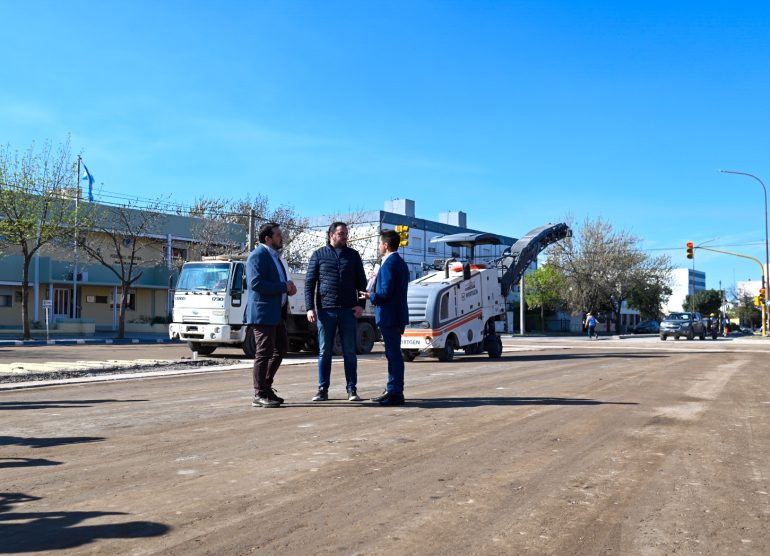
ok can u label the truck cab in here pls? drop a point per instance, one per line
(209, 302)
(209, 306)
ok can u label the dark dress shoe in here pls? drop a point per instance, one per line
(264, 401)
(391, 399)
(271, 395)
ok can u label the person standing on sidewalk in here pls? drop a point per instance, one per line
(269, 289)
(391, 312)
(334, 277)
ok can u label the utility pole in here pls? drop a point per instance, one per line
(252, 219)
(74, 311)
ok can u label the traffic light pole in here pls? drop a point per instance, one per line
(765, 285)
(764, 280)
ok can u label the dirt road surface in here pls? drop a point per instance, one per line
(560, 447)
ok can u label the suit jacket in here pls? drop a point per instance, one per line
(265, 286)
(389, 295)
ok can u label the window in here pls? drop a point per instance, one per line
(100, 299)
(239, 279)
(444, 311)
(178, 253)
(6, 300)
(131, 304)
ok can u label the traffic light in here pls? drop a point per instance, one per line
(403, 232)
(690, 254)
(761, 296)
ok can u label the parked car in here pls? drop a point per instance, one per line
(687, 324)
(646, 327)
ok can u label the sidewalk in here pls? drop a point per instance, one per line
(39, 339)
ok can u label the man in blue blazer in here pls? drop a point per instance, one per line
(266, 309)
(391, 312)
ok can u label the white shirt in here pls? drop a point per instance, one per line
(281, 271)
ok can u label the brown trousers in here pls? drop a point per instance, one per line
(272, 344)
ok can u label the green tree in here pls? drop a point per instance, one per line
(747, 313)
(647, 298)
(604, 268)
(37, 188)
(705, 302)
(543, 289)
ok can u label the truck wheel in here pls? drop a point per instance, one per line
(311, 344)
(494, 347)
(690, 334)
(447, 353)
(201, 349)
(249, 345)
(296, 345)
(663, 337)
(702, 335)
(364, 337)
(409, 354)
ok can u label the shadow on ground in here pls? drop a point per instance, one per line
(57, 404)
(44, 531)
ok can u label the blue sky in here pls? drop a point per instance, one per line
(518, 113)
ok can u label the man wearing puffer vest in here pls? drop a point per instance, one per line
(335, 275)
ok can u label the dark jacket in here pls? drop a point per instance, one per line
(389, 295)
(265, 288)
(335, 280)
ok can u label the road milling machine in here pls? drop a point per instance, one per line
(456, 307)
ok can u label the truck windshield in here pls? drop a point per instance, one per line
(204, 277)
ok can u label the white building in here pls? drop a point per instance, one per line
(686, 281)
(420, 254)
(748, 287)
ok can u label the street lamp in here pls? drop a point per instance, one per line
(767, 258)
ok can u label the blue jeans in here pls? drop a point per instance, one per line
(391, 335)
(329, 321)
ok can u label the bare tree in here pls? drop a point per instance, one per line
(36, 188)
(214, 234)
(126, 240)
(604, 267)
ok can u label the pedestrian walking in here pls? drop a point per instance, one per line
(590, 324)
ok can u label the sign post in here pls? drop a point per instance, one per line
(47, 305)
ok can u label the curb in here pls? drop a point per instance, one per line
(90, 341)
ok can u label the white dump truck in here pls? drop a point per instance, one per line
(457, 307)
(210, 300)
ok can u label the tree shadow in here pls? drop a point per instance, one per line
(57, 404)
(40, 531)
(445, 403)
(47, 442)
(6, 463)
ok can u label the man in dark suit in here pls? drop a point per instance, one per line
(266, 309)
(391, 312)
